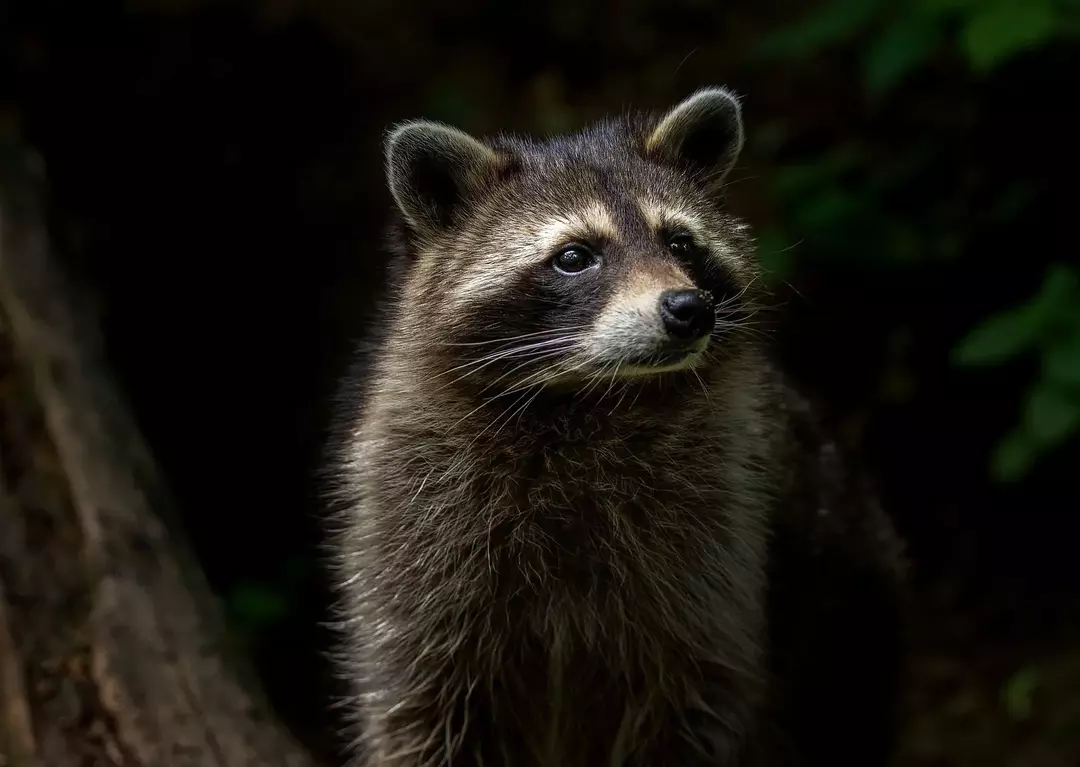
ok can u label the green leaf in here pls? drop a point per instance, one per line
(1061, 286)
(1013, 457)
(1002, 28)
(1008, 333)
(900, 49)
(1061, 361)
(1017, 694)
(1002, 336)
(1052, 413)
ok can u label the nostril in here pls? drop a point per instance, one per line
(687, 314)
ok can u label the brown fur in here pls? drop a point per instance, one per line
(558, 557)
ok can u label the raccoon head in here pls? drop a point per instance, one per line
(602, 254)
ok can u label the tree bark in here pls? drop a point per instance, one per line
(113, 650)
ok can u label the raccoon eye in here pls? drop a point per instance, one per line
(681, 244)
(573, 259)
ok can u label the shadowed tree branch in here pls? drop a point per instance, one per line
(112, 646)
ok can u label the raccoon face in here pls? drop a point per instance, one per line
(604, 254)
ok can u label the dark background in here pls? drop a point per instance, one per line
(216, 175)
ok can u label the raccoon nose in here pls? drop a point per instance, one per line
(687, 314)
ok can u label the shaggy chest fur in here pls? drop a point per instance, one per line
(578, 571)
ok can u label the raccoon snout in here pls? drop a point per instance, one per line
(687, 314)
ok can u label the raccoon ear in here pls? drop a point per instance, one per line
(431, 168)
(704, 131)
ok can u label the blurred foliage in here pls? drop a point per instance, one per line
(903, 35)
(1018, 691)
(843, 202)
(1047, 324)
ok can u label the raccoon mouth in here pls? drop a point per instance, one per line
(666, 358)
(664, 361)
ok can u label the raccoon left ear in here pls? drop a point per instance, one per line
(432, 168)
(704, 131)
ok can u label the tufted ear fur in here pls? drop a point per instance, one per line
(703, 132)
(431, 169)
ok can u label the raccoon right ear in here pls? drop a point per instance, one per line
(432, 168)
(704, 131)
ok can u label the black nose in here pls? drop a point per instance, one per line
(687, 314)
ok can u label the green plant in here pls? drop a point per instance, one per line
(1047, 324)
(902, 36)
(839, 207)
(1017, 694)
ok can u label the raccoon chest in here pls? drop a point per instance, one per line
(570, 498)
(587, 526)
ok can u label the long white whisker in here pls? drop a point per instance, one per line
(530, 361)
(549, 374)
(596, 379)
(614, 380)
(512, 339)
(704, 388)
(519, 411)
(539, 350)
(496, 356)
(625, 389)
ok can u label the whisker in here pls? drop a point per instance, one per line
(502, 354)
(519, 411)
(737, 327)
(511, 339)
(704, 388)
(552, 372)
(594, 382)
(614, 380)
(539, 349)
(526, 363)
(625, 390)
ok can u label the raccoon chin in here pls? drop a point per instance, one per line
(668, 356)
(631, 367)
(665, 362)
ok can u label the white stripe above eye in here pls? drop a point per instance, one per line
(659, 215)
(516, 249)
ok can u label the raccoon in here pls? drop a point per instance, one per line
(584, 519)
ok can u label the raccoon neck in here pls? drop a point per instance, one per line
(717, 415)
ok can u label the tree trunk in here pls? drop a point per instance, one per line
(113, 650)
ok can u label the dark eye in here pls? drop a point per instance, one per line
(573, 259)
(681, 244)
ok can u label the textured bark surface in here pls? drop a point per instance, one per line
(112, 648)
